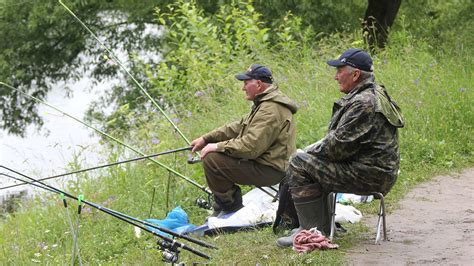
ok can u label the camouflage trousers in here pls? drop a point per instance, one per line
(323, 176)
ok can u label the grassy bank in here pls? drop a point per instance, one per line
(433, 86)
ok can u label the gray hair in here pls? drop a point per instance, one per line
(364, 75)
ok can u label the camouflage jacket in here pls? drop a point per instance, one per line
(267, 134)
(363, 132)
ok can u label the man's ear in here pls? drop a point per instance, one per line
(356, 75)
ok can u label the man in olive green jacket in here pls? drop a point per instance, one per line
(254, 150)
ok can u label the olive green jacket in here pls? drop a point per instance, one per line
(267, 134)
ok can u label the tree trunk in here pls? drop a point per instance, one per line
(378, 18)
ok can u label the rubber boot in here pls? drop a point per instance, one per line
(234, 205)
(308, 217)
(314, 213)
(312, 210)
(222, 208)
(287, 241)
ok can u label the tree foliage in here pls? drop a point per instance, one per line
(195, 42)
(46, 45)
(43, 45)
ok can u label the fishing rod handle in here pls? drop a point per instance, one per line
(195, 251)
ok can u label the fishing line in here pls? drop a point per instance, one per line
(119, 62)
(206, 190)
(123, 217)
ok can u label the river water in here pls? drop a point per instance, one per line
(48, 151)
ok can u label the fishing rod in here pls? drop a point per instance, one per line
(203, 188)
(169, 247)
(116, 59)
(102, 166)
(168, 242)
(38, 183)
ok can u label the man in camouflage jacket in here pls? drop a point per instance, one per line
(360, 152)
(254, 150)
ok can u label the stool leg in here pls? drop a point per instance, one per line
(381, 218)
(332, 209)
(382, 201)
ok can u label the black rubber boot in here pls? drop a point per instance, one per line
(312, 210)
(312, 207)
(222, 207)
(314, 213)
(235, 204)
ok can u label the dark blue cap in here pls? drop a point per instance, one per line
(357, 58)
(256, 71)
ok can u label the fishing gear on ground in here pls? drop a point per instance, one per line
(125, 218)
(42, 185)
(131, 220)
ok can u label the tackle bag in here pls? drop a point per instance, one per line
(286, 216)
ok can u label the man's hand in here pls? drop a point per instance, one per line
(212, 147)
(198, 144)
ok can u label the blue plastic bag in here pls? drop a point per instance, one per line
(177, 221)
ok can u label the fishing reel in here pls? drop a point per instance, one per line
(169, 251)
(193, 160)
(203, 204)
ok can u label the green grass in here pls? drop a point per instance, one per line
(433, 88)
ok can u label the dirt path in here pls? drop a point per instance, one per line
(434, 225)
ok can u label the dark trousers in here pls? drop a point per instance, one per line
(223, 173)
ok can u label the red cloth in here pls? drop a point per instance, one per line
(309, 240)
